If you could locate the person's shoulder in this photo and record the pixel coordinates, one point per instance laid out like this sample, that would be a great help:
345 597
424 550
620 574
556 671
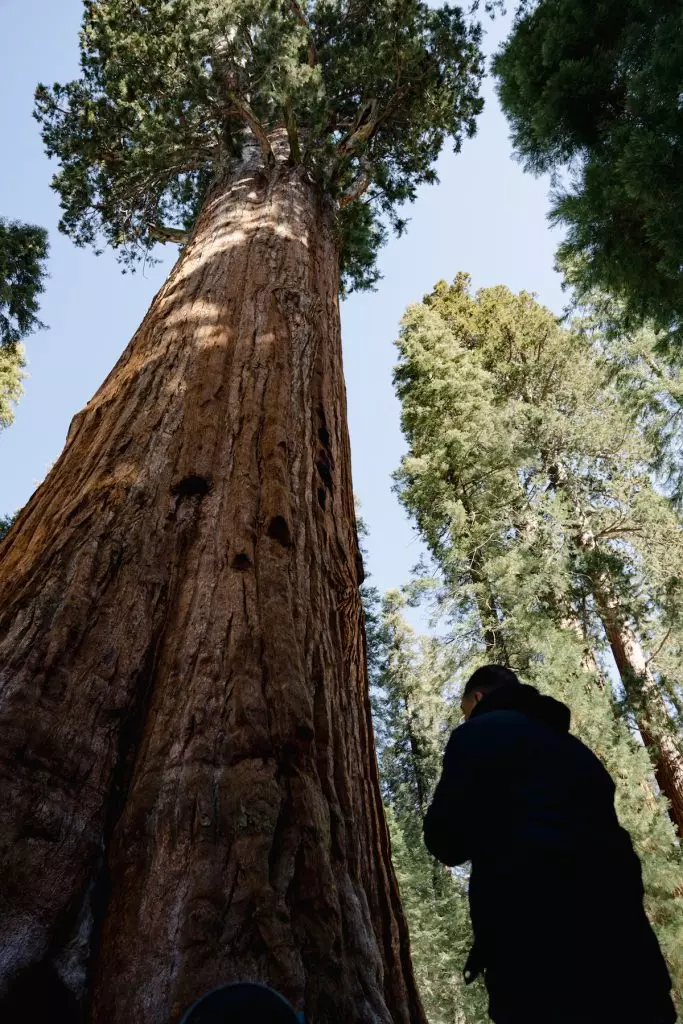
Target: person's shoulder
493 727
583 751
501 718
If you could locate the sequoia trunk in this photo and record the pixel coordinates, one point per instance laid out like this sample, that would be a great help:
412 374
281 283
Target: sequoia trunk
646 702
190 791
643 693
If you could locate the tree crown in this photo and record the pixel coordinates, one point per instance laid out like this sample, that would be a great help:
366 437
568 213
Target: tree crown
171 91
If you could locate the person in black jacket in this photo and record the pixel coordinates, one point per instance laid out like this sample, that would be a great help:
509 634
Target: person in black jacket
556 895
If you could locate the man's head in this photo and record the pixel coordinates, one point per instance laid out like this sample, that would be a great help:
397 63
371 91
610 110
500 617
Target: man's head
483 681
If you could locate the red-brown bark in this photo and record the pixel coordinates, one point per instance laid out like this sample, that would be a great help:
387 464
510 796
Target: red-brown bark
189 781
646 701
642 691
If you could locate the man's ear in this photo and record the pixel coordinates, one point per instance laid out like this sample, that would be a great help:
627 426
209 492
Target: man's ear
477 696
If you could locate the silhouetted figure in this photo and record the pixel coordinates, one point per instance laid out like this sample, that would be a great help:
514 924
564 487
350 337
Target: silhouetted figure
556 895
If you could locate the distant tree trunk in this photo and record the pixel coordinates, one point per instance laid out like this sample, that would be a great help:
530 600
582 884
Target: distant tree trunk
487 606
643 692
645 701
189 781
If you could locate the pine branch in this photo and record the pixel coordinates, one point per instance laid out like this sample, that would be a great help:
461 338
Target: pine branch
361 186
257 128
653 656
301 18
161 233
363 129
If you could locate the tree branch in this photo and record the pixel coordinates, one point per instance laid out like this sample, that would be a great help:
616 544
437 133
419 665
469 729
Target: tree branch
653 656
363 129
361 186
161 233
255 125
301 18
292 133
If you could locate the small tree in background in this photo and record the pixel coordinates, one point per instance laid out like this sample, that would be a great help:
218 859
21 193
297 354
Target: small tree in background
5 523
413 718
23 254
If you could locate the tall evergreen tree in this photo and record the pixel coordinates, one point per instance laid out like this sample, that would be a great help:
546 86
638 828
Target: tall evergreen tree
193 792
584 466
413 717
23 253
592 93
511 424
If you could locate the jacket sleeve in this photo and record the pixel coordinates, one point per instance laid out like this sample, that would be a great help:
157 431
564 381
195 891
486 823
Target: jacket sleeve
450 822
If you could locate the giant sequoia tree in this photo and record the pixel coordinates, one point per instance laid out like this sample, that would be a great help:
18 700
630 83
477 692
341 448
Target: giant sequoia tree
190 789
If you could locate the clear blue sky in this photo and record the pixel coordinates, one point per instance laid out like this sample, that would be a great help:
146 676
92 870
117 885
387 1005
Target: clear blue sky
486 217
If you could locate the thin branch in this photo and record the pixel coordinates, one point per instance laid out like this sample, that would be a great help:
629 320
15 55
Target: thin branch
363 129
301 18
255 125
653 656
361 186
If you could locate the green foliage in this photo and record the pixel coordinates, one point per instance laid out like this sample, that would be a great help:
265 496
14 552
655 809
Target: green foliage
593 90
12 363
5 523
518 431
171 93
412 723
435 902
648 379
529 478
412 718
23 252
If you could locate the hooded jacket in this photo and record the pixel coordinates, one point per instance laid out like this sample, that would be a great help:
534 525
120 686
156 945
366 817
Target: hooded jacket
555 889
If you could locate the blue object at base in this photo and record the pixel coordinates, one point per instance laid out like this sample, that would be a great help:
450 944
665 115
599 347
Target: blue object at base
241 1003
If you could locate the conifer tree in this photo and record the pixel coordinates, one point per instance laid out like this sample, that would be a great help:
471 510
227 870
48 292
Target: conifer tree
195 798
5 523
496 417
413 717
12 364
23 253
592 93
583 467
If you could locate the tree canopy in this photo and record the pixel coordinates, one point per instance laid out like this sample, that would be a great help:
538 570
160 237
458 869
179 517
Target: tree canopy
592 93
171 91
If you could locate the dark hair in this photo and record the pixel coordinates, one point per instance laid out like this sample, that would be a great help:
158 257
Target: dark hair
490 677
